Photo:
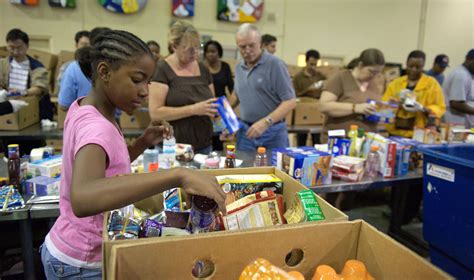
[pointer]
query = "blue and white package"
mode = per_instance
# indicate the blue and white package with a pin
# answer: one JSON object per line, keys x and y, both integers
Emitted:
{"x": 42, "y": 186}
{"x": 226, "y": 119}
{"x": 316, "y": 170}
{"x": 277, "y": 154}
{"x": 339, "y": 146}
{"x": 293, "y": 162}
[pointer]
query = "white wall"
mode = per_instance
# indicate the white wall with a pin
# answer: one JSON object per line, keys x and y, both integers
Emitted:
{"x": 341, "y": 28}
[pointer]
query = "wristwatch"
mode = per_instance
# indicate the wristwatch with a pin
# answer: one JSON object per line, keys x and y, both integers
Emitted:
{"x": 269, "y": 121}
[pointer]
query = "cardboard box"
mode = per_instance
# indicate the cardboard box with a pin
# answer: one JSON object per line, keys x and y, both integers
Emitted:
{"x": 293, "y": 70}
{"x": 49, "y": 167}
{"x": 307, "y": 112}
{"x": 63, "y": 57}
{"x": 42, "y": 186}
{"x": 290, "y": 188}
{"x": 300, "y": 247}
{"x": 49, "y": 60}
{"x": 4, "y": 52}
{"x": 27, "y": 116}
{"x": 329, "y": 70}
{"x": 139, "y": 119}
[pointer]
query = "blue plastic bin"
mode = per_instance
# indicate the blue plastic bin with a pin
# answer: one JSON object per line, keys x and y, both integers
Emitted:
{"x": 448, "y": 193}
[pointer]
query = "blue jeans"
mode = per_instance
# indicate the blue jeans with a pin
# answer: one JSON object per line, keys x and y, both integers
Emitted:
{"x": 55, "y": 269}
{"x": 276, "y": 136}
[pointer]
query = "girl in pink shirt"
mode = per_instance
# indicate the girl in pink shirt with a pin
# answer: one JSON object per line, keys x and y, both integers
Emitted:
{"x": 95, "y": 153}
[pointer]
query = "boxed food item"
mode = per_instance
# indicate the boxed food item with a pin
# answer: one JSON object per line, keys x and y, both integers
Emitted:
{"x": 238, "y": 186}
{"x": 290, "y": 188}
{"x": 261, "y": 209}
{"x": 277, "y": 154}
{"x": 300, "y": 247}
{"x": 387, "y": 151}
{"x": 49, "y": 167}
{"x": 226, "y": 119}
{"x": 344, "y": 175}
{"x": 350, "y": 164}
{"x": 42, "y": 186}
{"x": 25, "y": 117}
{"x": 316, "y": 170}
{"x": 305, "y": 208}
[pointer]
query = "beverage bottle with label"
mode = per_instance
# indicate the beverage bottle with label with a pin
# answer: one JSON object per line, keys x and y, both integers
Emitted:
{"x": 150, "y": 160}
{"x": 202, "y": 217}
{"x": 261, "y": 157}
{"x": 169, "y": 152}
{"x": 230, "y": 157}
{"x": 372, "y": 166}
{"x": 14, "y": 166}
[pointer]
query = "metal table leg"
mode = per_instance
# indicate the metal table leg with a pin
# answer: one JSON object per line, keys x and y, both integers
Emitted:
{"x": 27, "y": 249}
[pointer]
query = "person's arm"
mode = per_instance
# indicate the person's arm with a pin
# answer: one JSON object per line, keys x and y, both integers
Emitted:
{"x": 329, "y": 106}
{"x": 158, "y": 110}
{"x": 457, "y": 95}
{"x": 39, "y": 82}
{"x": 92, "y": 193}
{"x": 462, "y": 107}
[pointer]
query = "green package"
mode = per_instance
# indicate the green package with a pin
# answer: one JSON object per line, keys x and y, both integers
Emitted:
{"x": 305, "y": 209}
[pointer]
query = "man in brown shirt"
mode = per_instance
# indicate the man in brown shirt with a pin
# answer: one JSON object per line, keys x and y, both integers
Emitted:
{"x": 309, "y": 82}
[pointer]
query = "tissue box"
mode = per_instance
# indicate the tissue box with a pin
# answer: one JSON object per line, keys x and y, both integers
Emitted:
{"x": 49, "y": 167}
{"x": 42, "y": 186}
{"x": 226, "y": 119}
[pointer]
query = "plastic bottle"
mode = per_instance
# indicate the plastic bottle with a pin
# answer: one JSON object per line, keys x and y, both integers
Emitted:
{"x": 230, "y": 157}
{"x": 150, "y": 160}
{"x": 14, "y": 166}
{"x": 169, "y": 152}
{"x": 261, "y": 157}
{"x": 372, "y": 165}
{"x": 202, "y": 217}
{"x": 352, "y": 134}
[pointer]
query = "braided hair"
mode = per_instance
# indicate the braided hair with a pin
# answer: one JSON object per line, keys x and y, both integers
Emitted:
{"x": 116, "y": 47}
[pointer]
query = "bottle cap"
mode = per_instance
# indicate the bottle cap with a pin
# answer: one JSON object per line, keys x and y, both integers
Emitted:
{"x": 231, "y": 147}
{"x": 374, "y": 148}
{"x": 354, "y": 127}
{"x": 261, "y": 150}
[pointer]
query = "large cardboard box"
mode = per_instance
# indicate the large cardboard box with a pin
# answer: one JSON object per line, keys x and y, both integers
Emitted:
{"x": 49, "y": 60}
{"x": 61, "y": 117}
{"x": 63, "y": 57}
{"x": 307, "y": 112}
{"x": 27, "y": 116}
{"x": 139, "y": 119}
{"x": 300, "y": 247}
{"x": 290, "y": 188}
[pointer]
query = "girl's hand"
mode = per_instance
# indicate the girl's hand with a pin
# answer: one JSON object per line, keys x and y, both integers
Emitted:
{"x": 200, "y": 183}
{"x": 156, "y": 132}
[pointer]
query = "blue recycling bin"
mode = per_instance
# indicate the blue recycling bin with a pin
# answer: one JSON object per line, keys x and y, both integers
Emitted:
{"x": 448, "y": 218}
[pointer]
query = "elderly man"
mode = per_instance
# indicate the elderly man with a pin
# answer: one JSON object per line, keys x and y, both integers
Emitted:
{"x": 265, "y": 92}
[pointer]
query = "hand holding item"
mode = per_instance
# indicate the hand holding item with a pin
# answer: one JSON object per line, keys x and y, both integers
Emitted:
{"x": 205, "y": 108}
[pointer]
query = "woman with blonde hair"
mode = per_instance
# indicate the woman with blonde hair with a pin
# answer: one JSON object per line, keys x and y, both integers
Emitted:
{"x": 182, "y": 91}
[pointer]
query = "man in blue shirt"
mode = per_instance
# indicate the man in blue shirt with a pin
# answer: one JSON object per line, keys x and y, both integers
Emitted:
{"x": 440, "y": 63}
{"x": 74, "y": 83}
{"x": 264, "y": 89}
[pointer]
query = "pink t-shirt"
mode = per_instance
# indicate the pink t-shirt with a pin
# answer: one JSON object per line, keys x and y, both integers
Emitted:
{"x": 72, "y": 240}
